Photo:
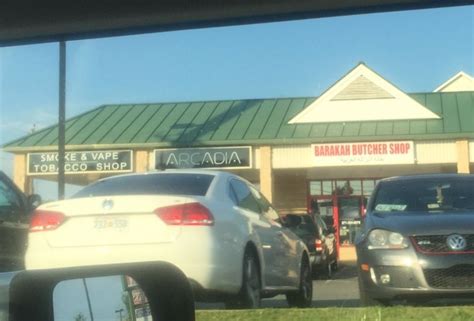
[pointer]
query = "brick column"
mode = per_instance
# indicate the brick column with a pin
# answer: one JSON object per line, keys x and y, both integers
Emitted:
{"x": 462, "y": 147}
{"x": 19, "y": 173}
{"x": 141, "y": 161}
{"x": 266, "y": 172}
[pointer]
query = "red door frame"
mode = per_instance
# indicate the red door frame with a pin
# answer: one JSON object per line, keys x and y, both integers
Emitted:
{"x": 361, "y": 209}
{"x": 335, "y": 211}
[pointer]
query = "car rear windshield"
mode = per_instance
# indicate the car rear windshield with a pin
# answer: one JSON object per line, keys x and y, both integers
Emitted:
{"x": 153, "y": 184}
{"x": 305, "y": 228}
{"x": 434, "y": 194}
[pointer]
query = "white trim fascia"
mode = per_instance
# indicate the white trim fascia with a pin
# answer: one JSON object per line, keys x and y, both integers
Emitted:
{"x": 452, "y": 80}
{"x": 400, "y": 107}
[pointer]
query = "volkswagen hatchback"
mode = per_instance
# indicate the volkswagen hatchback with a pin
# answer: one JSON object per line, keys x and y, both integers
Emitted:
{"x": 418, "y": 239}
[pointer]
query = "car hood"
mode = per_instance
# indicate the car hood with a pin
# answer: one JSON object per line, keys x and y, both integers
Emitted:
{"x": 416, "y": 223}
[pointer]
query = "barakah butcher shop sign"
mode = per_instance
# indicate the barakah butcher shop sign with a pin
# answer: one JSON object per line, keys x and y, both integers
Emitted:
{"x": 108, "y": 161}
{"x": 370, "y": 153}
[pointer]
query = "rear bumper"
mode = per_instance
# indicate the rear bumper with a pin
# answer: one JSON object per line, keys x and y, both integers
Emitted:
{"x": 316, "y": 260}
{"x": 211, "y": 267}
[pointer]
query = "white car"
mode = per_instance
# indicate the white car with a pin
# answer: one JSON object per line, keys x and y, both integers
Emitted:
{"x": 215, "y": 226}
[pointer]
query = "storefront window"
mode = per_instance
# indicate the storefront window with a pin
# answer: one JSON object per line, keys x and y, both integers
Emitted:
{"x": 345, "y": 187}
{"x": 356, "y": 187}
{"x": 327, "y": 188}
{"x": 342, "y": 187}
{"x": 368, "y": 186}
{"x": 315, "y": 188}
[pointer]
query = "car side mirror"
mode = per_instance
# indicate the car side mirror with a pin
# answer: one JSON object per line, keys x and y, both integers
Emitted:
{"x": 34, "y": 200}
{"x": 29, "y": 294}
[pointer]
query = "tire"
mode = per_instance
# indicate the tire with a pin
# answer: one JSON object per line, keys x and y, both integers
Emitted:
{"x": 249, "y": 296}
{"x": 303, "y": 298}
{"x": 329, "y": 271}
{"x": 315, "y": 273}
{"x": 334, "y": 265}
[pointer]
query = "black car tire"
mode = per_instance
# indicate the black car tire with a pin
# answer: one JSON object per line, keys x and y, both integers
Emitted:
{"x": 302, "y": 298}
{"x": 334, "y": 265}
{"x": 315, "y": 273}
{"x": 249, "y": 296}
{"x": 329, "y": 271}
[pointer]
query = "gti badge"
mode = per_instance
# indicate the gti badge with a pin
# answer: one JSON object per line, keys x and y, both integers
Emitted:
{"x": 107, "y": 205}
{"x": 456, "y": 242}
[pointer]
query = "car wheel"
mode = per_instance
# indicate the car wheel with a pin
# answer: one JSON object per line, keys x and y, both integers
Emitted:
{"x": 315, "y": 273}
{"x": 304, "y": 296}
{"x": 334, "y": 265}
{"x": 249, "y": 296}
{"x": 329, "y": 271}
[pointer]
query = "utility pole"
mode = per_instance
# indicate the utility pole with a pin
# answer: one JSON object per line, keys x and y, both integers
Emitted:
{"x": 88, "y": 299}
{"x": 61, "y": 119}
{"x": 120, "y": 311}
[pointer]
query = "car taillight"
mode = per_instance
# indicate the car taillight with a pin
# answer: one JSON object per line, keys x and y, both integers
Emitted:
{"x": 185, "y": 214}
{"x": 318, "y": 245}
{"x": 46, "y": 220}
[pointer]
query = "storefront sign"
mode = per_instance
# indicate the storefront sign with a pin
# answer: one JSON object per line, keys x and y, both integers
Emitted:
{"x": 81, "y": 162}
{"x": 372, "y": 153}
{"x": 213, "y": 157}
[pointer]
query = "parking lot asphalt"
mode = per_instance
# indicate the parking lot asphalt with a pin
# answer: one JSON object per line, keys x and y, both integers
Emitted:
{"x": 339, "y": 291}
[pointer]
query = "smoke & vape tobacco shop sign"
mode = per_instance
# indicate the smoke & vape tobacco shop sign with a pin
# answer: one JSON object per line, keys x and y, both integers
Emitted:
{"x": 111, "y": 161}
{"x": 212, "y": 157}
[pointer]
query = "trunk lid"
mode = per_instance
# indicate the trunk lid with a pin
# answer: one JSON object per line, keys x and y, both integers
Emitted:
{"x": 118, "y": 220}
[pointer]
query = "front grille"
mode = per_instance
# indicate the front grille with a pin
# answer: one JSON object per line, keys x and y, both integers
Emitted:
{"x": 455, "y": 277}
{"x": 438, "y": 243}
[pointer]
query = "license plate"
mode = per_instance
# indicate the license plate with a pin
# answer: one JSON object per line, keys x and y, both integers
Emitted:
{"x": 106, "y": 223}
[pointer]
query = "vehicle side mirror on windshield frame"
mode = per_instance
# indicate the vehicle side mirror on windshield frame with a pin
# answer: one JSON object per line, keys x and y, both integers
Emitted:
{"x": 34, "y": 200}
{"x": 28, "y": 295}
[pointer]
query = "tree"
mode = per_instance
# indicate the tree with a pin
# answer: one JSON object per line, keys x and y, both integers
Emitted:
{"x": 128, "y": 305}
{"x": 80, "y": 317}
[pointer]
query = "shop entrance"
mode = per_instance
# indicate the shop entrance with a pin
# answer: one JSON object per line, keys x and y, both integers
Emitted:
{"x": 350, "y": 211}
{"x": 341, "y": 203}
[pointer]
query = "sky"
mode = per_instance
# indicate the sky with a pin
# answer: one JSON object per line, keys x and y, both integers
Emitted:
{"x": 105, "y": 293}
{"x": 415, "y": 50}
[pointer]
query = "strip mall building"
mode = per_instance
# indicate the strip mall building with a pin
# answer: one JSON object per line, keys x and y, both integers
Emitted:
{"x": 330, "y": 149}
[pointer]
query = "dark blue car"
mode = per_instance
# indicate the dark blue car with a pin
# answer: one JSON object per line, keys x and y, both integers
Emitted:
{"x": 417, "y": 239}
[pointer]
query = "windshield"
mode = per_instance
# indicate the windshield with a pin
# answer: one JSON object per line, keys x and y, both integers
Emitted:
{"x": 439, "y": 194}
{"x": 314, "y": 113}
{"x": 163, "y": 184}
{"x": 305, "y": 228}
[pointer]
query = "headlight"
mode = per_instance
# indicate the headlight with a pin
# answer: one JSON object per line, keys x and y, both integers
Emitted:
{"x": 382, "y": 239}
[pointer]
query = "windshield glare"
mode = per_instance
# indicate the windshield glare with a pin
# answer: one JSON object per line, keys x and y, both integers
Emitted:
{"x": 425, "y": 195}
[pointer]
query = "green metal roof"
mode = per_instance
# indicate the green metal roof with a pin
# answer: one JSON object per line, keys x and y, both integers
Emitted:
{"x": 243, "y": 122}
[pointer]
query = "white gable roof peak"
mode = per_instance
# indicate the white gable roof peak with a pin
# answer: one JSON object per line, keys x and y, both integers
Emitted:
{"x": 362, "y": 95}
{"x": 459, "y": 82}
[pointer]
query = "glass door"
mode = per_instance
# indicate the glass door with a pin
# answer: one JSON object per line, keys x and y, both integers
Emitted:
{"x": 350, "y": 209}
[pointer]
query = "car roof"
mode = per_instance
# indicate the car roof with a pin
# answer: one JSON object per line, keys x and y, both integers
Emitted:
{"x": 174, "y": 171}
{"x": 426, "y": 176}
